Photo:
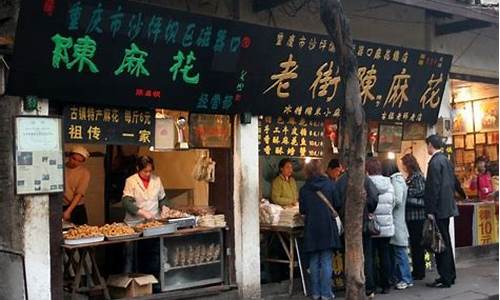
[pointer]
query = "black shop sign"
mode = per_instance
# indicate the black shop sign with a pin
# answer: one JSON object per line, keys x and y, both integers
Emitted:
{"x": 123, "y": 53}
{"x": 300, "y": 77}
{"x": 108, "y": 125}
{"x": 290, "y": 136}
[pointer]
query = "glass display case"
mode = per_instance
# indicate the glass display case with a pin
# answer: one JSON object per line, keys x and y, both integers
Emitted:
{"x": 192, "y": 260}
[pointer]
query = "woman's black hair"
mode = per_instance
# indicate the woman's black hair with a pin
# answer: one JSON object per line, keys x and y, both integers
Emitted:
{"x": 283, "y": 162}
{"x": 389, "y": 167}
{"x": 144, "y": 161}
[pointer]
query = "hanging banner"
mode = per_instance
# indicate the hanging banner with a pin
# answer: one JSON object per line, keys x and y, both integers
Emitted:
{"x": 108, "y": 125}
{"x": 127, "y": 53}
{"x": 295, "y": 137}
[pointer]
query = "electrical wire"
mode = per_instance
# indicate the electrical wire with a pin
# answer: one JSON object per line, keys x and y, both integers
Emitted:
{"x": 466, "y": 48}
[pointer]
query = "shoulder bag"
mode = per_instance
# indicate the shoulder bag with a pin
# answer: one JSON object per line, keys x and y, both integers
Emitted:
{"x": 334, "y": 213}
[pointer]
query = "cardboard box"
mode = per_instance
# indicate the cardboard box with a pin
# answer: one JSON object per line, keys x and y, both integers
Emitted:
{"x": 131, "y": 285}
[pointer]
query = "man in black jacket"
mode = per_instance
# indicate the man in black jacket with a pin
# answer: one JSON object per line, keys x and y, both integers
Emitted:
{"x": 371, "y": 205}
{"x": 440, "y": 205}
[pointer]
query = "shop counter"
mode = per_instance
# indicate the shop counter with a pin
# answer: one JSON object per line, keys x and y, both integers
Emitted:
{"x": 288, "y": 237}
{"x": 189, "y": 258}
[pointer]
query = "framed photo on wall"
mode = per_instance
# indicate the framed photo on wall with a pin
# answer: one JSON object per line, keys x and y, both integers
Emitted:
{"x": 480, "y": 138}
{"x": 390, "y": 137}
{"x": 486, "y": 115}
{"x": 459, "y": 141}
{"x": 459, "y": 156}
{"x": 492, "y": 137}
{"x": 414, "y": 131}
{"x": 469, "y": 142}
{"x": 462, "y": 123}
{"x": 492, "y": 152}
{"x": 469, "y": 156}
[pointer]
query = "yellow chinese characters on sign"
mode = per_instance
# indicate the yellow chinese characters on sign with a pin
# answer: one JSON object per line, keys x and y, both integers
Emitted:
{"x": 398, "y": 91}
{"x": 324, "y": 80}
{"x": 486, "y": 224}
{"x": 282, "y": 80}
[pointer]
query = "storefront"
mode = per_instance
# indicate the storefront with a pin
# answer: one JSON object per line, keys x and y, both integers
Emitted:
{"x": 112, "y": 71}
{"x": 112, "y": 85}
{"x": 475, "y": 141}
{"x": 401, "y": 90}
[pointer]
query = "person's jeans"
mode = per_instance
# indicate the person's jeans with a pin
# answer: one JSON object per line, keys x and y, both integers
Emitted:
{"x": 320, "y": 266}
{"x": 401, "y": 268}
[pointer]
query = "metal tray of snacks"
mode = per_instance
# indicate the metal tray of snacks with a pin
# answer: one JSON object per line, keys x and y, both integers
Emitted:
{"x": 123, "y": 237}
{"x": 86, "y": 240}
{"x": 183, "y": 222}
{"x": 163, "y": 229}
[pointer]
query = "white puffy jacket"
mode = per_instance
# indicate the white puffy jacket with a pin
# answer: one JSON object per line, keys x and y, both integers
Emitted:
{"x": 385, "y": 205}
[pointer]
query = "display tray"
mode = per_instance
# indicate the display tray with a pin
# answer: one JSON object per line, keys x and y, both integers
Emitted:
{"x": 183, "y": 222}
{"x": 164, "y": 229}
{"x": 88, "y": 240}
{"x": 123, "y": 237}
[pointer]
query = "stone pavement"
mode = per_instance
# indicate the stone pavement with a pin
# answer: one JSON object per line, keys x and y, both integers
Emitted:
{"x": 476, "y": 280}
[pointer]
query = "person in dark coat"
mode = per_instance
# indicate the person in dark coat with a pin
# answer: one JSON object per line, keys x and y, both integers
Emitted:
{"x": 440, "y": 205}
{"x": 370, "y": 206}
{"x": 415, "y": 213}
{"x": 320, "y": 229}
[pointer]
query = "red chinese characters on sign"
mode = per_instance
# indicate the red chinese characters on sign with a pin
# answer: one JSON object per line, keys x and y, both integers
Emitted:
{"x": 148, "y": 93}
{"x": 48, "y": 7}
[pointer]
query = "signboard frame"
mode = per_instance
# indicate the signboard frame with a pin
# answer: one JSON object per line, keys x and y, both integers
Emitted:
{"x": 52, "y": 156}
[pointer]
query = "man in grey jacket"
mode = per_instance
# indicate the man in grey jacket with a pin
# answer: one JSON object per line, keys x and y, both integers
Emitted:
{"x": 440, "y": 205}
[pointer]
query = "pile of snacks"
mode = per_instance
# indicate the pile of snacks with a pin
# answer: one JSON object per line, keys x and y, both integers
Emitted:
{"x": 116, "y": 229}
{"x": 290, "y": 217}
{"x": 151, "y": 224}
{"x": 195, "y": 254}
{"x": 83, "y": 231}
{"x": 197, "y": 211}
{"x": 169, "y": 213}
{"x": 269, "y": 213}
{"x": 212, "y": 221}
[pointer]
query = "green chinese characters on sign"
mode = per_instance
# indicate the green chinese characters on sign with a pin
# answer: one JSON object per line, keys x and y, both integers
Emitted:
{"x": 133, "y": 62}
{"x": 83, "y": 51}
{"x": 60, "y": 52}
{"x": 95, "y": 20}
{"x": 184, "y": 64}
{"x": 116, "y": 21}
{"x": 75, "y": 12}
{"x": 154, "y": 28}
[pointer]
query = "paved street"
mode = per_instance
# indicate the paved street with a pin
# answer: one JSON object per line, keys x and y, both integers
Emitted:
{"x": 476, "y": 280}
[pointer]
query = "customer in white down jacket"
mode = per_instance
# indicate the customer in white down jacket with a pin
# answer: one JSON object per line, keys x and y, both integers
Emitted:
{"x": 399, "y": 242}
{"x": 381, "y": 243}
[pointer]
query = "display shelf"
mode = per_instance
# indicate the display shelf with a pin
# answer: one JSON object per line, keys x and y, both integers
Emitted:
{"x": 193, "y": 266}
{"x": 192, "y": 275}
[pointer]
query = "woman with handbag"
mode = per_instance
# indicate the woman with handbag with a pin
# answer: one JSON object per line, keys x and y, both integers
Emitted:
{"x": 399, "y": 242}
{"x": 383, "y": 213}
{"x": 319, "y": 205}
{"x": 415, "y": 213}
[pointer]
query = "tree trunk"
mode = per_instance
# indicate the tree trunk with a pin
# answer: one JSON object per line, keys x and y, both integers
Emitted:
{"x": 353, "y": 148}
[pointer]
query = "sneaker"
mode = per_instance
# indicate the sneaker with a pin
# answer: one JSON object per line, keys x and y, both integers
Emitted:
{"x": 315, "y": 297}
{"x": 371, "y": 295}
{"x": 401, "y": 286}
{"x": 410, "y": 284}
